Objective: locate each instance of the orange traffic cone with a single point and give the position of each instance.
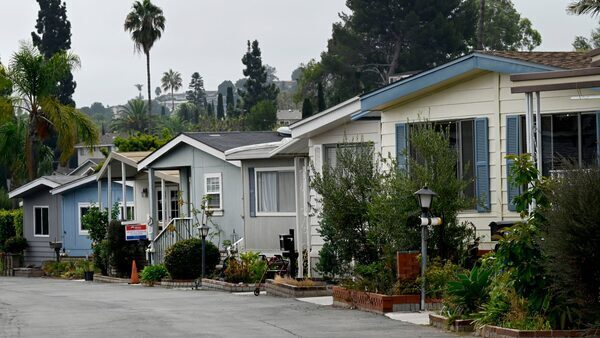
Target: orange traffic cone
(134, 274)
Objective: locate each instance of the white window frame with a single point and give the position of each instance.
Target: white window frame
(129, 204)
(79, 215)
(272, 214)
(218, 211)
(34, 220)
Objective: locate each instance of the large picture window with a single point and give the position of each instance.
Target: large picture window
(214, 190)
(41, 227)
(275, 191)
(568, 138)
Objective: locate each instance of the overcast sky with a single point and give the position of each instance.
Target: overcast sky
(209, 37)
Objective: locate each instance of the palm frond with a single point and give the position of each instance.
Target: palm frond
(584, 7)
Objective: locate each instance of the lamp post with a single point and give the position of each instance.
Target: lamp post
(203, 230)
(425, 197)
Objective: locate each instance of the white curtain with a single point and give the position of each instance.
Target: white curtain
(267, 191)
(287, 197)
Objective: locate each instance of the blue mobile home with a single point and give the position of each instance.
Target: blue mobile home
(77, 197)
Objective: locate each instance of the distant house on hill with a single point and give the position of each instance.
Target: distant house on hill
(84, 153)
(285, 117)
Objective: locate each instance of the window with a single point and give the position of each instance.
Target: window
(461, 136)
(172, 206)
(213, 190)
(568, 138)
(174, 194)
(331, 152)
(81, 151)
(129, 211)
(275, 191)
(83, 209)
(40, 222)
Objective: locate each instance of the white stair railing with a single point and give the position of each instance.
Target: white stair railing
(178, 229)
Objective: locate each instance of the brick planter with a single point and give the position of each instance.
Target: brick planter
(459, 325)
(177, 283)
(98, 278)
(407, 265)
(230, 287)
(378, 303)
(293, 291)
(28, 272)
(488, 331)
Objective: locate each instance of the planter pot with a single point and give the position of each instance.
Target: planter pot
(459, 325)
(378, 303)
(88, 276)
(229, 287)
(293, 291)
(489, 331)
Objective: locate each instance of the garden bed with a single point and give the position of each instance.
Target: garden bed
(489, 331)
(281, 289)
(378, 303)
(459, 325)
(230, 287)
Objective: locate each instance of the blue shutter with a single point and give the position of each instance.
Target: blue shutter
(401, 145)
(252, 192)
(482, 166)
(513, 147)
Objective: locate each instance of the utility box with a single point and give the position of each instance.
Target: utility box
(288, 250)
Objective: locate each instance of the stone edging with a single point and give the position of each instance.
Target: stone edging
(293, 291)
(459, 325)
(230, 287)
(489, 331)
(98, 278)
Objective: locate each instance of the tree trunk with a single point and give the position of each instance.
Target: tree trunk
(172, 101)
(149, 90)
(395, 61)
(480, 28)
(30, 151)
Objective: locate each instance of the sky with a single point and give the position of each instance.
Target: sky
(209, 37)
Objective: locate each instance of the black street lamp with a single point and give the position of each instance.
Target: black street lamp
(203, 230)
(425, 197)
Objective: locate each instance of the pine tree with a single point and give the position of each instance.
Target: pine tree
(230, 101)
(196, 93)
(307, 109)
(220, 108)
(210, 110)
(320, 98)
(256, 87)
(53, 36)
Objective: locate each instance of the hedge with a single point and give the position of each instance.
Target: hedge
(11, 225)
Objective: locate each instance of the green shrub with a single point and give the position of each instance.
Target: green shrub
(67, 269)
(248, 269)
(236, 272)
(437, 277)
(96, 222)
(183, 260)
(101, 256)
(122, 253)
(468, 292)
(15, 245)
(153, 273)
(11, 225)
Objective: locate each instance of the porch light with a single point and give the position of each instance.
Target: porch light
(425, 196)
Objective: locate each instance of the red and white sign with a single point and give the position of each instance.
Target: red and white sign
(134, 232)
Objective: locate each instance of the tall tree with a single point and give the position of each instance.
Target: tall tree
(53, 36)
(171, 81)
(35, 81)
(139, 87)
(581, 43)
(230, 101)
(256, 87)
(187, 112)
(145, 23)
(579, 7)
(157, 91)
(307, 109)
(320, 98)
(222, 88)
(480, 25)
(220, 108)
(210, 109)
(262, 116)
(196, 93)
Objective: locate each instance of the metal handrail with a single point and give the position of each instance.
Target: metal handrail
(176, 230)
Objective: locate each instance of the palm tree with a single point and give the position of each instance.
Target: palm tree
(34, 82)
(139, 87)
(171, 81)
(584, 7)
(133, 118)
(145, 23)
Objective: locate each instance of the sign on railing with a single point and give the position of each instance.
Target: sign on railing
(135, 232)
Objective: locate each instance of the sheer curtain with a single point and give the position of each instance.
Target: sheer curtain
(287, 198)
(267, 191)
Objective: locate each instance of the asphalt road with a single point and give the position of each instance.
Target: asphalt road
(37, 307)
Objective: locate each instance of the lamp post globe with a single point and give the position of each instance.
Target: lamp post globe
(425, 196)
(204, 230)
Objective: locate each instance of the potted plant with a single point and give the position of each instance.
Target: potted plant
(88, 271)
(15, 246)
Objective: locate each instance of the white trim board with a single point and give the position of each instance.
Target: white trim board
(31, 185)
(182, 138)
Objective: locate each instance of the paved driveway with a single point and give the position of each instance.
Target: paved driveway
(36, 307)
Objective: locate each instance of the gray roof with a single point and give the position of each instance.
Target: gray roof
(224, 141)
(106, 139)
(61, 179)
